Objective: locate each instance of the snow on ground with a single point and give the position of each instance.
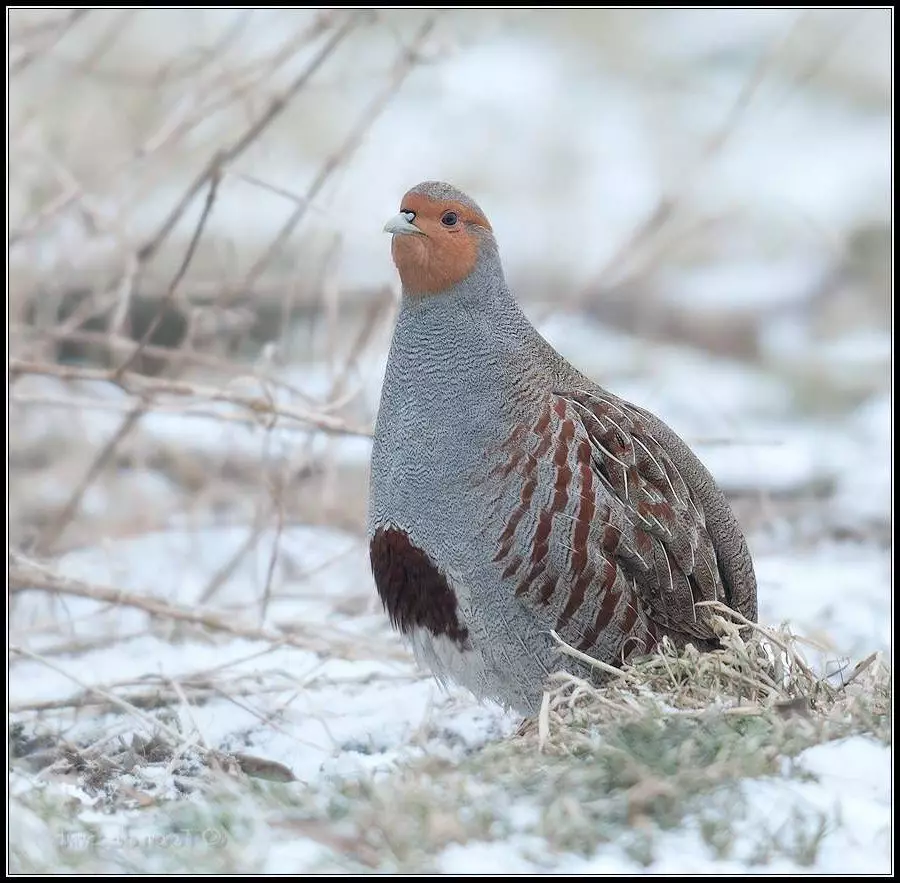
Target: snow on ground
(840, 594)
(849, 787)
(316, 680)
(363, 711)
(331, 710)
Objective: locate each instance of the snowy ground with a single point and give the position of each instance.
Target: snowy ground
(361, 710)
(316, 689)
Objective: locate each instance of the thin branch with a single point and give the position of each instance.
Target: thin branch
(182, 354)
(229, 154)
(188, 413)
(665, 209)
(215, 178)
(735, 616)
(569, 650)
(157, 697)
(265, 409)
(58, 524)
(276, 544)
(402, 69)
(30, 56)
(32, 578)
(152, 723)
(226, 571)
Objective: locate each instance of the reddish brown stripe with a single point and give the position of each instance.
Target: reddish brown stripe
(560, 407)
(644, 543)
(543, 446)
(505, 542)
(516, 438)
(513, 445)
(576, 596)
(504, 469)
(587, 642)
(584, 574)
(586, 508)
(612, 536)
(631, 616)
(514, 564)
(547, 589)
(635, 479)
(608, 605)
(543, 421)
(541, 544)
(563, 470)
(661, 511)
(623, 448)
(506, 538)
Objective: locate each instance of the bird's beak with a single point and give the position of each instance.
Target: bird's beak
(399, 224)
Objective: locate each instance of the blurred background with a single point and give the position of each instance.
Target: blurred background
(693, 206)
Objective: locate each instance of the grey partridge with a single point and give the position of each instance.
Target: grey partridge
(510, 495)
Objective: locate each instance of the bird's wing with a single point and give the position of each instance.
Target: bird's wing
(617, 542)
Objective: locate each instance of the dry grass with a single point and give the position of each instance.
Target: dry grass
(671, 743)
(758, 671)
(668, 744)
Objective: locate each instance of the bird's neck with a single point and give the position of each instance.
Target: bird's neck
(471, 329)
(456, 355)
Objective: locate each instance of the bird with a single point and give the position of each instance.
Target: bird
(513, 502)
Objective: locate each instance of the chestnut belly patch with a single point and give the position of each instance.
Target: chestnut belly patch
(414, 592)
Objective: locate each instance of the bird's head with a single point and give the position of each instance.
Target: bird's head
(438, 238)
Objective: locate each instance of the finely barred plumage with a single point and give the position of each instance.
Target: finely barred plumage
(510, 495)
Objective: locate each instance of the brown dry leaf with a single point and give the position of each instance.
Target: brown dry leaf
(139, 797)
(260, 768)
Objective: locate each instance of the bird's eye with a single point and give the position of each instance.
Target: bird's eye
(409, 215)
(449, 219)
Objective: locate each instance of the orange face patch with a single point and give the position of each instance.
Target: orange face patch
(445, 251)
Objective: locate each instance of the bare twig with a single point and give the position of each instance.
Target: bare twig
(599, 664)
(58, 524)
(404, 66)
(32, 578)
(105, 41)
(222, 575)
(188, 412)
(154, 724)
(860, 668)
(30, 56)
(137, 384)
(735, 616)
(665, 209)
(181, 355)
(277, 495)
(179, 275)
(227, 155)
(158, 697)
